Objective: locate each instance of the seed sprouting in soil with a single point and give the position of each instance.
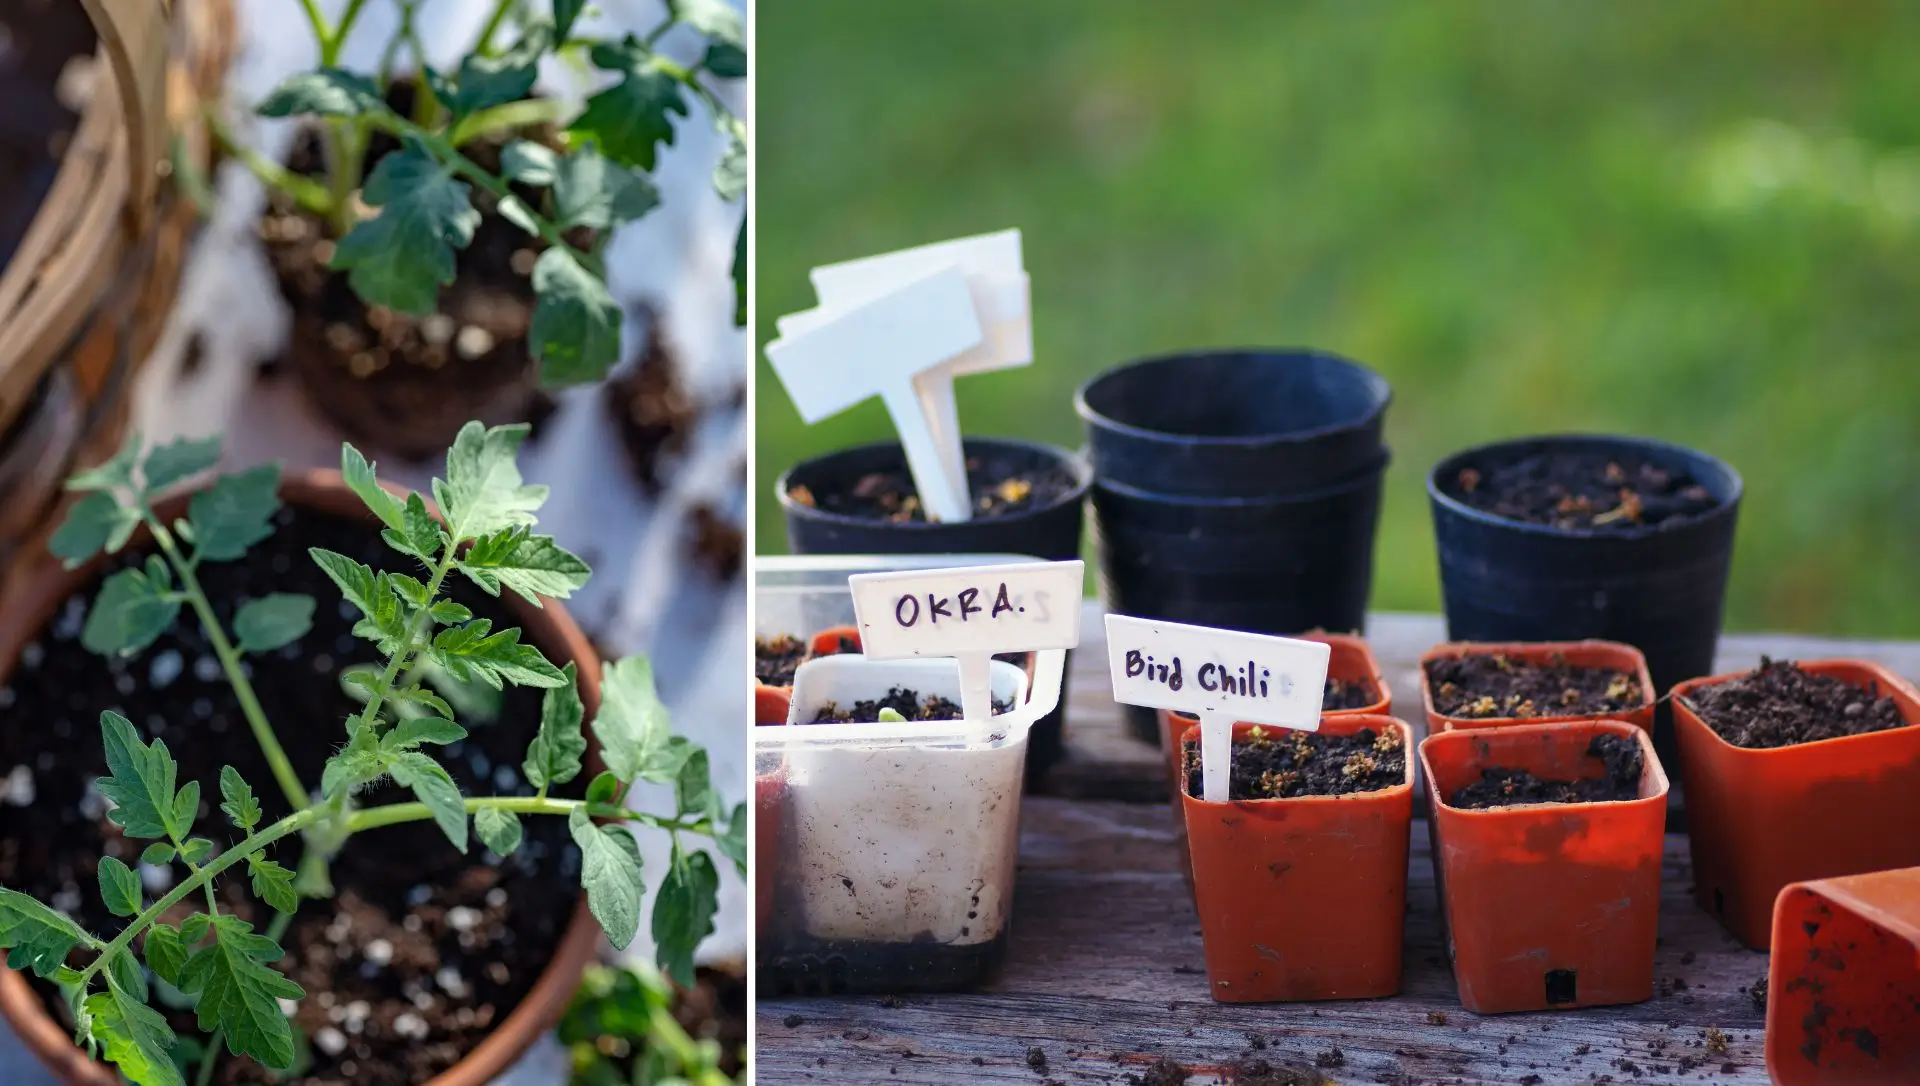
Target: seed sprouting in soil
(907, 703)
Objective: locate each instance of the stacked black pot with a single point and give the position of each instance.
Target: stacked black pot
(1238, 489)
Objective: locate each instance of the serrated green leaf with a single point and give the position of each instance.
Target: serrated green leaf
(159, 854)
(592, 190)
(564, 14)
(424, 699)
(420, 531)
(733, 843)
(730, 176)
(499, 830)
(576, 323)
(115, 473)
(195, 928)
(515, 210)
(234, 513)
(603, 788)
(96, 522)
(371, 593)
(628, 120)
(683, 911)
(119, 887)
(199, 850)
(166, 952)
(432, 786)
(125, 970)
(186, 808)
(241, 807)
(35, 936)
(240, 995)
(140, 783)
(355, 581)
(470, 653)
(409, 589)
(272, 622)
(159, 572)
(329, 92)
(693, 786)
(725, 60)
(717, 19)
(413, 731)
(353, 767)
(554, 755)
(272, 883)
(532, 565)
(482, 81)
(401, 257)
(483, 492)
(359, 474)
(447, 612)
(528, 163)
(133, 1037)
(632, 723)
(130, 613)
(610, 873)
(179, 460)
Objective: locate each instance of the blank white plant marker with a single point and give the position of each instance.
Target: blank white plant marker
(1221, 676)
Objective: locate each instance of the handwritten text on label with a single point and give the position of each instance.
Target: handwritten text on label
(1196, 669)
(1018, 607)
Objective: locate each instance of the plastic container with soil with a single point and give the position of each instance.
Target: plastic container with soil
(1607, 681)
(898, 852)
(1548, 905)
(1305, 897)
(1843, 1007)
(1029, 500)
(1759, 818)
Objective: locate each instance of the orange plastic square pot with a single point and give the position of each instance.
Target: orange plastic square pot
(769, 816)
(1760, 819)
(1304, 899)
(1843, 1002)
(1548, 905)
(1607, 654)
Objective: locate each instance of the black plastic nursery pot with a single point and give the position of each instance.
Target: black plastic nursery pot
(1659, 587)
(1049, 530)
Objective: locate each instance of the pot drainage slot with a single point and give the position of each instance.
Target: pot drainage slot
(1562, 985)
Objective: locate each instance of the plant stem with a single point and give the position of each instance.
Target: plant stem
(296, 793)
(331, 44)
(304, 190)
(318, 23)
(371, 714)
(393, 814)
(484, 46)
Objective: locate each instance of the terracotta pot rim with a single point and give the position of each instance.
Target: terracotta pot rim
(1405, 787)
(1650, 760)
(1453, 650)
(322, 490)
(1882, 673)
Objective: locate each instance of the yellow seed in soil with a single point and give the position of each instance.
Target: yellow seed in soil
(1015, 491)
(361, 364)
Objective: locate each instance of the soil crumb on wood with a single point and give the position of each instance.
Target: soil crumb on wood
(907, 703)
(1488, 686)
(1502, 787)
(776, 658)
(1584, 492)
(997, 490)
(1164, 1072)
(1258, 1072)
(1781, 705)
(1272, 763)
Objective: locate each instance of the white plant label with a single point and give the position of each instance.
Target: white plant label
(1221, 676)
(970, 613)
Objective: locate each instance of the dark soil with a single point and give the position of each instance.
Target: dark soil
(776, 658)
(1495, 685)
(424, 951)
(1276, 763)
(1163, 1072)
(1258, 1072)
(1501, 787)
(719, 545)
(652, 411)
(715, 1008)
(405, 385)
(997, 491)
(1781, 705)
(1348, 694)
(1584, 491)
(906, 702)
(42, 37)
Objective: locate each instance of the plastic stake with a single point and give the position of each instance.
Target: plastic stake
(1216, 755)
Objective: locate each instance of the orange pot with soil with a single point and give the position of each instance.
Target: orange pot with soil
(1761, 817)
(1473, 684)
(1551, 896)
(1843, 1007)
(1304, 897)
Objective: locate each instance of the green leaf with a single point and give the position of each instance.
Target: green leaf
(564, 14)
(401, 257)
(604, 787)
(629, 119)
(632, 722)
(576, 323)
(384, 624)
(554, 755)
(125, 971)
(610, 873)
(413, 731)
(134, 1037)
(141, 783)
(693, 786)
(272, 622)
(329, 92)
(432, 786)
(683, 911)
(419, 534)
(725, 60)
(272, 883)
(96, 522)
(483, 492)
(186, 808)
(499, 830)
(890, 715)
(740, 274)
(234, 513)
(716, 19)
(470, 653)
(119, 887)
(532, 565)
(730, 176)
(409, 589)
(733, 843)
(240, 995)
(591, 190)
(130, 613)
(423, 698)
(346, 771)
(198, 849)
(159, 854)
(115, 473)
(447, 612)
(179, 460)
(528, 163)
(35, 936)
(241, 806)
(360, 478)
(166, 952)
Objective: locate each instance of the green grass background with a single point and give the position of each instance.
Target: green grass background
(1698, 221)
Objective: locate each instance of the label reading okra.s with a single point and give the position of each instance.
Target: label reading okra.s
(969, 610)
(1203, 671)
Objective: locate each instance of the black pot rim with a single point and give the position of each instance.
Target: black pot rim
(1074, 462)
(1098, 420)
(1451, 463)
(1360, 479)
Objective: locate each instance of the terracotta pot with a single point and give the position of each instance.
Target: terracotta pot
(1760, 819)
(770, 703)
(827, 642)
(1843, 1002)
(769, 816)
(1304, 899)
(1607, 654)
(550, 628)
(1549, 906)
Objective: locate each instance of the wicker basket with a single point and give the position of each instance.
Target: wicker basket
(89, 288)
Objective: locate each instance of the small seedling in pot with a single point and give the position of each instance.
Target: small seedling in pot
(621, 1030)
(485, 532)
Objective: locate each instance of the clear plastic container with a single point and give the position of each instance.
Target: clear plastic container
(888, 849)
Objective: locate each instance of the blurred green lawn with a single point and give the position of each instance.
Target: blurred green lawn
(1695, 221)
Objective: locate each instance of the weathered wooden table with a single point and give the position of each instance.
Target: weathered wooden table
(1105, 976)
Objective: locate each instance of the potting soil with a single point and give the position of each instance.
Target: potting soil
(1584, 491)
(1781, 705)
(776, 658)
(1277, 763)
(1502, 787)
(1486, 686)
(997, 488)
